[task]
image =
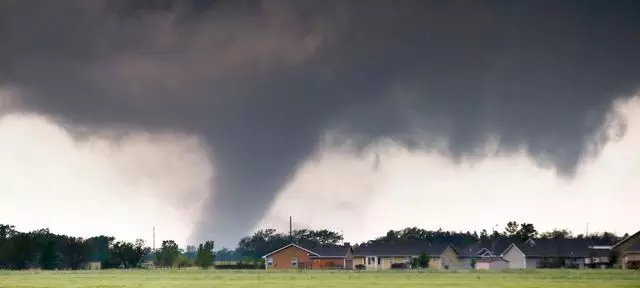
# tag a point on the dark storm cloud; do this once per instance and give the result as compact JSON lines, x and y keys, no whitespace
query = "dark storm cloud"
{"x":263,"y":80}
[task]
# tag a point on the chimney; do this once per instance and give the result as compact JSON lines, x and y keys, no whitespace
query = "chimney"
{"x":347,"y":244}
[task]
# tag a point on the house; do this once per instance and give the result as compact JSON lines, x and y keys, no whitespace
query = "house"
{"x":599,"y":257}
{"x":492,"y":263}
{"x":627,"y":252}
{"x":488,"y":248}
{"x":550,"y":253}
{"x":94,"y":265}
{"x":442,"y":256}
{"x":295,"y":256}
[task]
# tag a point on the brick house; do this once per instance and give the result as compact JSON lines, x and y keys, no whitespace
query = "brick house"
{"x":295,"y":256}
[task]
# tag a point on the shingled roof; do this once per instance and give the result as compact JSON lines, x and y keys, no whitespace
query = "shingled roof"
{"x":403,"y":249}
{"x":558,"y":247}
{"x":330,"y":251}
{"x":334,"y":251}
{"x":496,"y":246}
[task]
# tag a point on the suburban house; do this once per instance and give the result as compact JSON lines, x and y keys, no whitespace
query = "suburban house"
{"x":552,"y":253}
{"x":627,"y":252}
{"x":442,"y":256}
{"x":599,"y":257}
{"x":490,"y":248}
{"x":294,"y":256}
{"x":492,"y":263}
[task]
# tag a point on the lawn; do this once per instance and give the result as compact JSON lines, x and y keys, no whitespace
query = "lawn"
{"x":211,"y":278}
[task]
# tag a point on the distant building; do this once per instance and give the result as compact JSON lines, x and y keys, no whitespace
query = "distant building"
{"x":294,"y":256}
{"x":94,"y":265}
{"x":492,"y":263}
{"x":384,"y":256}
{"x":627,"y":252}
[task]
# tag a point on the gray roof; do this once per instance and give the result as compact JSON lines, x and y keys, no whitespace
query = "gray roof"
{"x":496,"y":246}
{"x":558,"y":247}
{"x":402,"y":249}
{"x":330,"y":251}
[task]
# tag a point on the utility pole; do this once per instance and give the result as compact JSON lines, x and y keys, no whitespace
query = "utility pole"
{"x":154,"y":239}
{"x":290,"y":228}
{"x":587,"y":234}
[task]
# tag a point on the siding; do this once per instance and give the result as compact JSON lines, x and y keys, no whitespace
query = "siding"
{"x":499,"y":265}
{"x":532,"y":263}
{"x":358,"y":261}
{"x":624,"y":247}
{"x":516,"y":258}
{"x":449,"y":258}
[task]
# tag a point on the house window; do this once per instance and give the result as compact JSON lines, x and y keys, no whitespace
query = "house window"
{"x":294,"y":262}
{"x":269,"y":262}
{"x":371,"y":260}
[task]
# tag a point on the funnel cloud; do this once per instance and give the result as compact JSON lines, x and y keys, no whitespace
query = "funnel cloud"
{"x":263,"y":86}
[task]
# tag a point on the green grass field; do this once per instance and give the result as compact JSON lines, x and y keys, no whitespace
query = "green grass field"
{"x":211,"y":278}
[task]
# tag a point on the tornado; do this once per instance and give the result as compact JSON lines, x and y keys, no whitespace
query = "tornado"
{"x":263,"y":81}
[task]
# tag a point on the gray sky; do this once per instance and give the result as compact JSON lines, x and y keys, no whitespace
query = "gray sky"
{"x":209,"y":123}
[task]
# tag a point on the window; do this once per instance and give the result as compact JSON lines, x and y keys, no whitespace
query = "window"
{"x":294,"y":262}
{"x":269,"y":262}
{"x":371,"y":260}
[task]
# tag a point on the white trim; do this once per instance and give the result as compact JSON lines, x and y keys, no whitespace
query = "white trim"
{"x":287,"y":246}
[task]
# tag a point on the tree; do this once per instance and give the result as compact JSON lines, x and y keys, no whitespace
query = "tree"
{"x":423,"y":260}
{"x":526,"y":231}
{"x":511,"y":229}
{"x":557,"y":234}
{"x":168,"y":254}
{"x":127,"y":254}
{"x":206,"y":256}
{"x":48,"y":256}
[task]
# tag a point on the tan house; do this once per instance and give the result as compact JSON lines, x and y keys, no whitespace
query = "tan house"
{"x":294,"y":256}
{"x":442,"y":256}
{"x":627,"y":252}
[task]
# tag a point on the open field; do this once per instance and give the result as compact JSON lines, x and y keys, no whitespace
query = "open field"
{"x":211,"y":278}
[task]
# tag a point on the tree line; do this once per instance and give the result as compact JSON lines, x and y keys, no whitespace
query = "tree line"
{"x":45,"y":250}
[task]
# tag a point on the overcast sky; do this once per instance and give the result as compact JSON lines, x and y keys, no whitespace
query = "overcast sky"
{"x":348,"y":115}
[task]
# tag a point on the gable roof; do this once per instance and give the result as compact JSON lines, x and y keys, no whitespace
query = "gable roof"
{"x":287,"y":246}
{"x":404,"y":249}
{"x":496,"y":246}
{"x":626,"y":239}
{"x":319,"y":251}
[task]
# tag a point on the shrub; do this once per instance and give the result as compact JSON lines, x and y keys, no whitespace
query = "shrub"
{"x":360,"y":267}
{"x":398,"y":266}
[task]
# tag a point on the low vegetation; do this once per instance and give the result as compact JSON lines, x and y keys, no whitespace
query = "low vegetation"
{"x":256,"y":278}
